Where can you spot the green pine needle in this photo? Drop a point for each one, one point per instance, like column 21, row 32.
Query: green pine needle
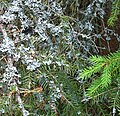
column 108, row 67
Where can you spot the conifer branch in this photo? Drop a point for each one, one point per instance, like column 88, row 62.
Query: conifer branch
column 106, row 67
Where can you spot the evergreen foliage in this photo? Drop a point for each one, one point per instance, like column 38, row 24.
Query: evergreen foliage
column 44, row 46
column 114, row 13
column 105, row 76
column 107, row 67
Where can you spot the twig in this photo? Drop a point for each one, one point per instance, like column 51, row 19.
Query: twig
column 10, row 63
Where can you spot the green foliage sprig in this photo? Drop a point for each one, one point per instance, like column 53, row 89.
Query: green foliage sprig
column 107, row 67
column 115, row 12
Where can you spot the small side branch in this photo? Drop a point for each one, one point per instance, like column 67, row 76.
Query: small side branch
column 10, row 63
